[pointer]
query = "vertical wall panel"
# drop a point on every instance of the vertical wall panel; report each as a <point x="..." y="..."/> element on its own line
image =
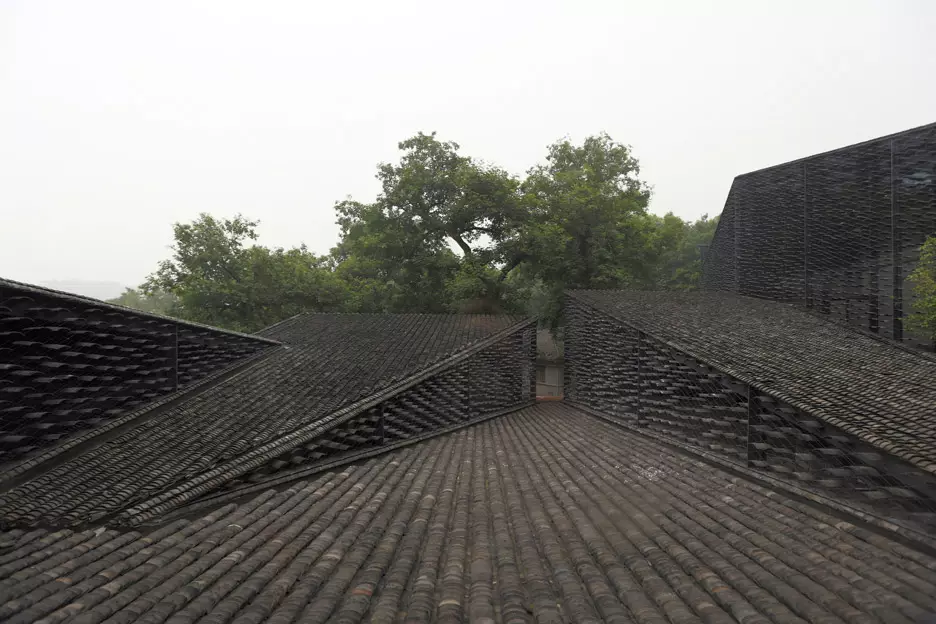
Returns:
<point x="837" y="232"/>
<point x="849" y="202"/>
<point x="915" y="207"/>
<point x="664" y="391"/>
<point x="68" y="364"/>
<point x="770" y="240"/>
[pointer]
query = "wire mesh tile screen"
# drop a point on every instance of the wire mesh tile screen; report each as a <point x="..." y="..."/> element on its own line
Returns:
<point x="848" y="216"/>
<point x="492" y="380"/>
<point x="720" y="268"/>
<point x="67" y="365"/>
<point x="601" y="362"/>
<point x="685" y="400"/>
<point x="838" y="232"/>
<point x="643" y="383"/>
<point x="769" y="234"/>
<point x="914" y="210"/>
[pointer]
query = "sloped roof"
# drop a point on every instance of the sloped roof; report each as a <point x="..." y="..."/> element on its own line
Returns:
<point x="327" y="363"/>
<point x="547" y="514"/>
<point x="69" y="297"/>
<point x="72" y="367"/>
<point x="874" y="389"/>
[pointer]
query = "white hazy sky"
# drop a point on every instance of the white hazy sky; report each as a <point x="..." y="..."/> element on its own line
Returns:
<point x="119" y="118"/>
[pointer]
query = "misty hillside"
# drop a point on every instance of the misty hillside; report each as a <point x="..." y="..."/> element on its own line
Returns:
<point x="98" y="290"/>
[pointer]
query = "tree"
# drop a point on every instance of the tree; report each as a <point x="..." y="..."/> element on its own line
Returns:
<point x="387" y="264"/>
<point x="219" y="280"/>
<point x="677" y="245"/>
<point x="432" y="240"/>
<point x="447" y="233"/>
<point x="588" y="225"/>
<point x="923" y="278"/>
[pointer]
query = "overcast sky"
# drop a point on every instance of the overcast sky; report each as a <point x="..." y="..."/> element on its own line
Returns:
<point x="119" y="118"/>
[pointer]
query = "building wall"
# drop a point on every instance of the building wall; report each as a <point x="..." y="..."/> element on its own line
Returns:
<point x="836" y="232"/>
<point x="640" y="382"/>
<point x="70" y="364"/>
<point x="493" y="380"/>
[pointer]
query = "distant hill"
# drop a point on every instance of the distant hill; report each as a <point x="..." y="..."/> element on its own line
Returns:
<point x="98" y="290"/>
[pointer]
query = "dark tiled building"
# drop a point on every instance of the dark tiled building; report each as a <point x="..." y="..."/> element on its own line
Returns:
<point x="394" y="468"/>
<point x="837" y="233"/>
<point x="545" y="514"/>
<point x="71" y="364"/>
<point x="716" y="458"/>
<point x="811" y="404"/>
<point x="323" y="387"/>
<point x="793" y="366"/>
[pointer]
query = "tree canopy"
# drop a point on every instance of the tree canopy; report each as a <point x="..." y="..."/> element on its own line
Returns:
<point x="218" y="279"/>
<point x="434" y="237"/>
<point x="446" y="233"/>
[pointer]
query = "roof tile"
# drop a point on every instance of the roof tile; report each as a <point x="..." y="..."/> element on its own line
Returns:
<point x="872" y="388"/>
<point x="328" y="362"/>
<point x="546" y="514"/>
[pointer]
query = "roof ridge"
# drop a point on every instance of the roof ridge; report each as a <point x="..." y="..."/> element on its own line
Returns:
<point x="885" y="137"/>
<point x="84" y="300"/>
<point x="245" y="462"/>
<point x="805" y="310"/>
<point x="34" y="466"/>
<point x="209" y="503"/>
<point x="278" y="323"/>
<point x="895" y="449"/>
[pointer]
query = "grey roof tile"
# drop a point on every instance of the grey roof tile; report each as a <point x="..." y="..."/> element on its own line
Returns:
<point x="546" y="514"/>
<point x="328" y="362"/>
<point x="872" y="388"/>
<point x="73" y="368"/>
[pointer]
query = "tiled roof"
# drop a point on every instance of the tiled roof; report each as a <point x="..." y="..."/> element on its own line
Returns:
<point x="73" y="367"/>
<point x="547" y="514"/>
<point x="69" y="297"/>
<point x="328" y="362"/>
<point x="874" y="389"/>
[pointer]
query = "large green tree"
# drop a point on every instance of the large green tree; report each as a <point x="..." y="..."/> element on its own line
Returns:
<point x="588" y="225"/>
<point x="447" y="232"/>
<point x="386" y="266"/>
<point x="433" y="238"/>
<point x="220" y="280"/>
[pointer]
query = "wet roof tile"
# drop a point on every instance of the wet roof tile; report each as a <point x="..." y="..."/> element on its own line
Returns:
<point x="880" y="391"/>
<point x="328" y="361"/>
<point x="546" y="514"/>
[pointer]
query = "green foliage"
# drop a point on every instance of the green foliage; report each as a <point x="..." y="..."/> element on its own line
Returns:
<point x="447" y="233"/>
<point x="450" y="233"/>
<point x="923" y="278"/>
<point x="588" y="225"/>
<point x="442" y="195"/>
<point x="386" y="263"/>
<point x="157" y="302"/>
<point x="476" y="287"/>
<point x="219" y="280"/>
<point x="431" y="240"/>
<point x="678" y="258"/>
